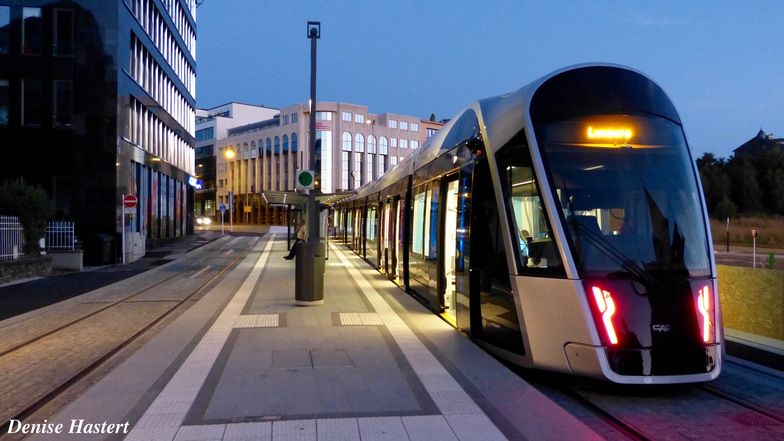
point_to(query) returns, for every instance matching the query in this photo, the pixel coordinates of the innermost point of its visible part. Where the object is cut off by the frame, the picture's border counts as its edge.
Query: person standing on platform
(300, 238)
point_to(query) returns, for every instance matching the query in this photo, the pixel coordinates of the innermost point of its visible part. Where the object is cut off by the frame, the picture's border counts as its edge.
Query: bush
(33, 208)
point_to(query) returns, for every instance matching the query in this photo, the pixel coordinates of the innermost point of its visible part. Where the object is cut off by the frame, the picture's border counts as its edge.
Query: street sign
(754, 233)
(306, 179)
(222, 207)
(130, 201)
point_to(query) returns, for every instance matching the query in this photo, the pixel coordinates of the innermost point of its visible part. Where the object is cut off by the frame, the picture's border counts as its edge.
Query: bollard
(771, 260)
(309, 289)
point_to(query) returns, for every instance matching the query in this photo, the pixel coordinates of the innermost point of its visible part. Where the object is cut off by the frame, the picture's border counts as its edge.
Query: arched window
(285, 143)
(269, 146)
(277, 145)
(294, 143)
(359, 143)
(383, 146)
(371, 144)
(346, 142)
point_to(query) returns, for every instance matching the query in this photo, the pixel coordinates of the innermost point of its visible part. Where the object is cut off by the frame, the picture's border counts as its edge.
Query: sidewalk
(371, 363)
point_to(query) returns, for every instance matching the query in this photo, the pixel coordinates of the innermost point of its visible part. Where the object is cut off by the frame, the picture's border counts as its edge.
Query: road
(746, 259)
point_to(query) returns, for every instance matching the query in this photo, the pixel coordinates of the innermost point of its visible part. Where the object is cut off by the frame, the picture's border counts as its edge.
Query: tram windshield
(628, 195)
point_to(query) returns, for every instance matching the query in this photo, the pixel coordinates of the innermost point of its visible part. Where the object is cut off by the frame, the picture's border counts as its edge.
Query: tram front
(626, 192)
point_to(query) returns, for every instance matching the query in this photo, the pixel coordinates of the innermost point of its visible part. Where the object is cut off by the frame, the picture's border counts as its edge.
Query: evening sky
(721, 62)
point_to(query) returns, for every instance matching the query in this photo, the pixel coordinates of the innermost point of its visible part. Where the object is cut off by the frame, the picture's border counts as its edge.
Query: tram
(562, 227)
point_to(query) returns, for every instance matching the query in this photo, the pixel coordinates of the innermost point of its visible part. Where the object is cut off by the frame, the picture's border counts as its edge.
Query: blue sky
(721, 62)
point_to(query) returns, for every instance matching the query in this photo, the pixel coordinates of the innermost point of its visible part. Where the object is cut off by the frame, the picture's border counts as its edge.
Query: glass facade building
(97, 100)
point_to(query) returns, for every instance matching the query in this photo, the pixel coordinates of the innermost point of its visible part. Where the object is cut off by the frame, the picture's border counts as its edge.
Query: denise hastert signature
(77, 426)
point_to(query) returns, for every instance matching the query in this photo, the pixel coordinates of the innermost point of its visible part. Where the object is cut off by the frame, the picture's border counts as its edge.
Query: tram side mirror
(475, 143)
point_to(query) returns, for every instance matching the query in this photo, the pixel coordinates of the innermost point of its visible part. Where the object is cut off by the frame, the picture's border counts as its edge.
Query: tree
(746, 191)
(716, 185)
(33, 208)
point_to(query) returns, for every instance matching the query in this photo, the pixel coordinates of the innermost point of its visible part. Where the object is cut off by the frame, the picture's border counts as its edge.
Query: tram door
(387, 239)
(449, 247)
(399, 229)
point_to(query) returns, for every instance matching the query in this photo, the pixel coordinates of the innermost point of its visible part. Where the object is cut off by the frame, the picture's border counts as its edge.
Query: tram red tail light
(606, 307)
(704, 307)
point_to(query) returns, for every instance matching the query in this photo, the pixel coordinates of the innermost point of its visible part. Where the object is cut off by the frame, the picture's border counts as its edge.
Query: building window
(403, 125)
(346, 116)
(346, 142)
(430, 132)
(359, 118)
(5, 29)
(392, 124)
(285, 119)
(414, 145)
(371, 144)
(381, 161)
(369, 159)
(359, 143)
(383, 146)
(394, 161)
(403, 143)
(31, 102)
(414, 127)
(294, 117)
(393, 142)
(63, 103)
(31, 31)
(63, 32)
(357, 172)
(294, 145)
(344, 170)
(205, 134)
(323, 116)
(4, 102)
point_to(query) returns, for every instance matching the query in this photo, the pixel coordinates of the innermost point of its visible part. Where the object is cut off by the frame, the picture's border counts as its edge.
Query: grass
(752, 300)
(770, 232)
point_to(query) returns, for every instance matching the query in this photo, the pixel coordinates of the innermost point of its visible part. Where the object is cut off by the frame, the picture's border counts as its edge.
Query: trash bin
(98, 249)
(309, 273)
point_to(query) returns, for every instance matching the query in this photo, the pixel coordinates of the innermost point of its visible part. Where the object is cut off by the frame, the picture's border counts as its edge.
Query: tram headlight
(606, 307)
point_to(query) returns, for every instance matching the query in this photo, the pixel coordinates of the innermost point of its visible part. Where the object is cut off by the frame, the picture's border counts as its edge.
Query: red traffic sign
(754, 232)
(130, 201)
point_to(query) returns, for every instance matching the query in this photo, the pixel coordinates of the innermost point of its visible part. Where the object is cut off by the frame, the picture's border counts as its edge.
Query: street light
(229, 154)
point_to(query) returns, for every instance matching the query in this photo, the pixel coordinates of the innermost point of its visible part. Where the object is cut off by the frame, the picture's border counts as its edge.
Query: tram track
(619, 425)
(107, 306)
(35, 401)
(745, 402)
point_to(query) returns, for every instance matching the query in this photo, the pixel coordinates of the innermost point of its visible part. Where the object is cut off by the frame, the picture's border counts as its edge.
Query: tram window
(419, 224)
(536, 251)
(370, 234)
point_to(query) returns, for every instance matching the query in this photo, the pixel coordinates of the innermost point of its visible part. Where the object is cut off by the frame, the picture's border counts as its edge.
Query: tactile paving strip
(360, 319)
(258, 321)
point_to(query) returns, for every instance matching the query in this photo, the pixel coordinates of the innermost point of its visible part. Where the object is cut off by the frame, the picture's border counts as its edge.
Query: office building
(354, 147)
(213, 125)
(97, 101)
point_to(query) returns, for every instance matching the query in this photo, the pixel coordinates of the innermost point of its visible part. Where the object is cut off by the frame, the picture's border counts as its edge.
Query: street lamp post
(314, 33)
(309, 274)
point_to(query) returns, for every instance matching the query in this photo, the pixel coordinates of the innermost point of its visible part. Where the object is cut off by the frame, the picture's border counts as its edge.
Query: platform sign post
(754, 236)
(128, 205)
(222, 208)
(231, 211)
(728, 235)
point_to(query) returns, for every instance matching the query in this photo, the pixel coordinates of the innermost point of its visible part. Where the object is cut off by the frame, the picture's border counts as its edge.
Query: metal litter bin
(309, 273)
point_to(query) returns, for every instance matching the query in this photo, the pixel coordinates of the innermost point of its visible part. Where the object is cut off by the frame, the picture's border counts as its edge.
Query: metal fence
(60, 235)
(11, 238)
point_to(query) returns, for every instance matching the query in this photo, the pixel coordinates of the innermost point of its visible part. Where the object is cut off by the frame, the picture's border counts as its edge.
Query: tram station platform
(371, 363)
